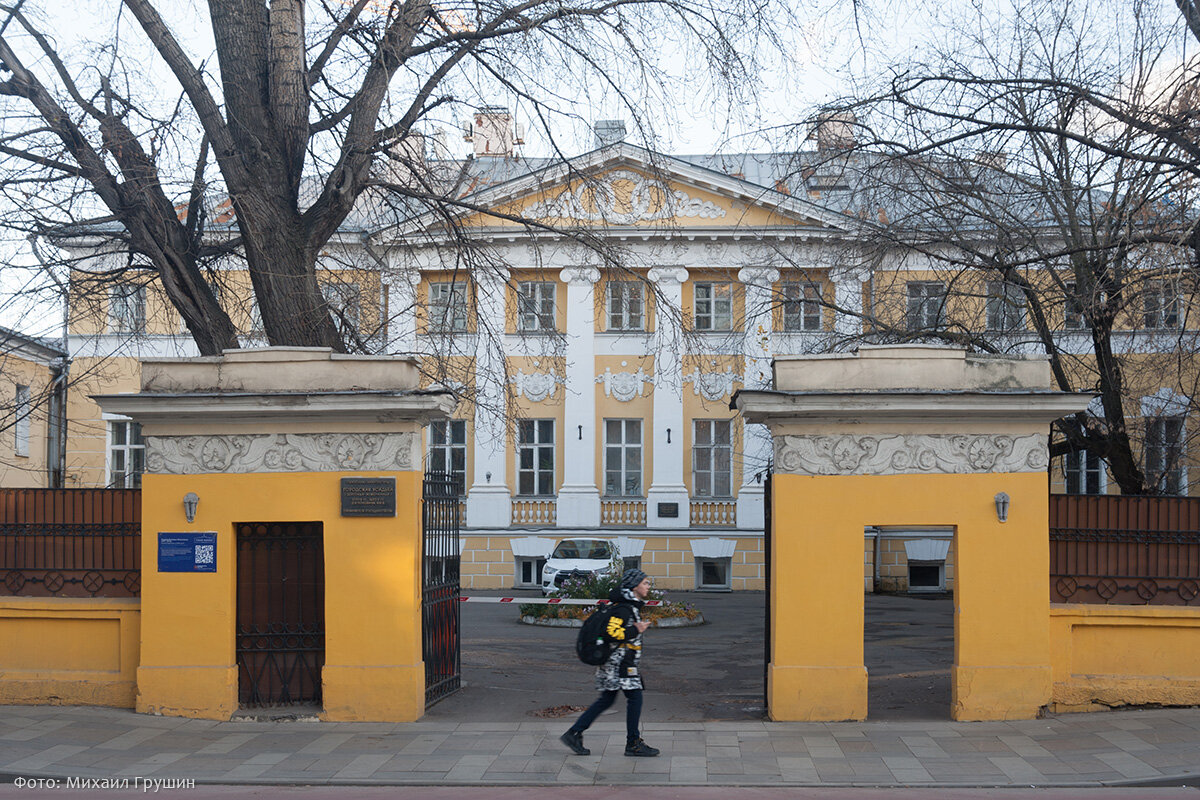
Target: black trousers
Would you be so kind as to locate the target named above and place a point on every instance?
(633, 712)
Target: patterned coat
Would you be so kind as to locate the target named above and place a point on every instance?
(622, 669)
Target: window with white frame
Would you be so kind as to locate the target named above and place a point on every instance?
(626, 306)
(127, 308)
(713, 306)
(1164, 454)
(126, 455)
(1083, 472)
(528, 571)
(535, 306)
(714, 573)
(623, 457)
(345, 301)
(1005, 306)
(712, 458)
(448, 449)
(1073, 316)
(22, 406)
(447, 307)
(1160, 304)
(535, 458)
(926, 305)
(802, 306)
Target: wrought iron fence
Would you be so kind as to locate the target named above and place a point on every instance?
(440, 586)
(70, 542)
(1125, 550)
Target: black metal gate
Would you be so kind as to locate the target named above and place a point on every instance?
(280, 612)
(767, 548)
(440, 586)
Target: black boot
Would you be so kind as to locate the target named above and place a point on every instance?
(636, 747)
(574, 740)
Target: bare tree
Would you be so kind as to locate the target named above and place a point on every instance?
(1031, 188)
(307, 99)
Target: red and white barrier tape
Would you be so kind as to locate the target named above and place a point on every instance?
(553, 601)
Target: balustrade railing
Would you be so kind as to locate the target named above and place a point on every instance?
(623, 512)
(714, 513)
(528, 512)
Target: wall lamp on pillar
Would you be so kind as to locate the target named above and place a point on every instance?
(1002, 501)
(668, 435)
(190, 501)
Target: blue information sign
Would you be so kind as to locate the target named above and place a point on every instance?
(187, 552)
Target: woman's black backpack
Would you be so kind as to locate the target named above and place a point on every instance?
(593, 646)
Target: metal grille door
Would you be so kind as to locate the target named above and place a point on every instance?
(440, 586)
(280, 612)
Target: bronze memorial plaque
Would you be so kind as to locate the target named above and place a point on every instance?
(368, 497)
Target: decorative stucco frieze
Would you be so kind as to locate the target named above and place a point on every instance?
(624, 386)
(896, 454)
(281, 452)
(712, 385)
(536, 386)
(647, 200)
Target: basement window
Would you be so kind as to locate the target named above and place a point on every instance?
(529, 572)
(927, 576)
(713, 574)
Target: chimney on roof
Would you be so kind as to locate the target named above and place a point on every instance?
(492, 130)
(609, 131)
(405, 159)
(834, 131)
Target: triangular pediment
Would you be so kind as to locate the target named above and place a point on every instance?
(626, 187)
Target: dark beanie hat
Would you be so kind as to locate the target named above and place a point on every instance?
(632, 577)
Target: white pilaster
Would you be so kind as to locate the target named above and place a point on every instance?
(579, 496)
(666, 484)
(756, 353)
(489, 503)
(402, 311)
(848, 297)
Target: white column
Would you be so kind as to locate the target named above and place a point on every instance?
(579, 497)
(489, 503)
(848, 296)
(756, 353)
(666, 484)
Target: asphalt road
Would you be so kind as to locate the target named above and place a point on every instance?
(513, 671)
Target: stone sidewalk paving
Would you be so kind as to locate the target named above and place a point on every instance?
(1135, 747)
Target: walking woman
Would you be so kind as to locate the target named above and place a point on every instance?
(621, 671)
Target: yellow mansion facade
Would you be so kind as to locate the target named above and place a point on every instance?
(595, 382)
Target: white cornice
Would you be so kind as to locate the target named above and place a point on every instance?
(820, 408)
(242, 409)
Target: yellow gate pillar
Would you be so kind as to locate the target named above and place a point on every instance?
(281, 435)
(909, 436)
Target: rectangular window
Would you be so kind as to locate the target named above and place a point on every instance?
(344, 301)
(712, 458)
(535, 306)
(1083, 472)
(535, 458)
(801, 307)
(448, 449)
(714, 306)
(1161, 305)
(1005, 306)
(926, 305)
(713, 573)
(447, 307)
(623, 457)
(127, 309)
(1073, 317)
(626, 306)
(126, 455)
(23, 408)
(1164, 454)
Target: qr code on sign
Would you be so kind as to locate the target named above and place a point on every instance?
(205, 553)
